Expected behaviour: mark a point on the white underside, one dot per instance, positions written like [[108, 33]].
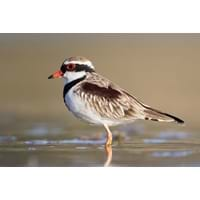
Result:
[[84, 112]]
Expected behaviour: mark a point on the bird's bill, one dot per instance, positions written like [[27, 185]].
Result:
[[57, 74]]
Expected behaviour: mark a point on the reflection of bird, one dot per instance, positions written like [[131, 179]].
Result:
[[97, 100]]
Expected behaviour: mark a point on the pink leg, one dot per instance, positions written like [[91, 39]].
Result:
[[109, 136]]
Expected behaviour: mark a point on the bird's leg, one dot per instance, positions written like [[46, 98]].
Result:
[[109, 136], [108, 149]]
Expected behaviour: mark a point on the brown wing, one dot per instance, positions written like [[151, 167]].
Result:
[[112, 102], [108, 99]]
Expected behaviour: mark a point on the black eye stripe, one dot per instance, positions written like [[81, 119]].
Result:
[[83, 68], [78, 68], [63, 68]]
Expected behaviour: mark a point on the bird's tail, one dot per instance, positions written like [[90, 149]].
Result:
[[156, 115]]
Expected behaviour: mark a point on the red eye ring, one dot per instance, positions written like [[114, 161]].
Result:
[[71, 67]]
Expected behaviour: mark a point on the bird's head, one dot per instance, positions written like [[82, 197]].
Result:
[[73, 68]]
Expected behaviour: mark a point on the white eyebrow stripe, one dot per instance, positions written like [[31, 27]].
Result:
[[80, 63]]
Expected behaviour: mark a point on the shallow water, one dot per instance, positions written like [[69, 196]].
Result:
[[139, 144]]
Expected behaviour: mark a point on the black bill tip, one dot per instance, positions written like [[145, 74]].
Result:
[[50, 77]]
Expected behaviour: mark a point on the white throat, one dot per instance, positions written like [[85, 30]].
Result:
[[71, 76]]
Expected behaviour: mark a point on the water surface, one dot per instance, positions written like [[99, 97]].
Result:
[[138, 144]]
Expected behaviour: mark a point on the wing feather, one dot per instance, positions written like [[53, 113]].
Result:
[[108, 99]]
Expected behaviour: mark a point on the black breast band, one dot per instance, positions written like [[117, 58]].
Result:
[[69, 85]]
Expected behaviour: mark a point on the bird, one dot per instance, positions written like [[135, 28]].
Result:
[[97, 100]]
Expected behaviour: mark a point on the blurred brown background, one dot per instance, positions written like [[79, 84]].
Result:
[[162, 70]]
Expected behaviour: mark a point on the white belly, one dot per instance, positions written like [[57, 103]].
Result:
[[82, 111]]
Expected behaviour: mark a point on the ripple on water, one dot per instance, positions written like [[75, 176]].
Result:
[[81, 148], [154, 141], [79, 141], [174, 154], [37, 142], [42, 130], [56, 142], [173, 135], [166, 136], [131, 129], [7, 138]]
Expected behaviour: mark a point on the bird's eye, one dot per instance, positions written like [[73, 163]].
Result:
[[71, 67]]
